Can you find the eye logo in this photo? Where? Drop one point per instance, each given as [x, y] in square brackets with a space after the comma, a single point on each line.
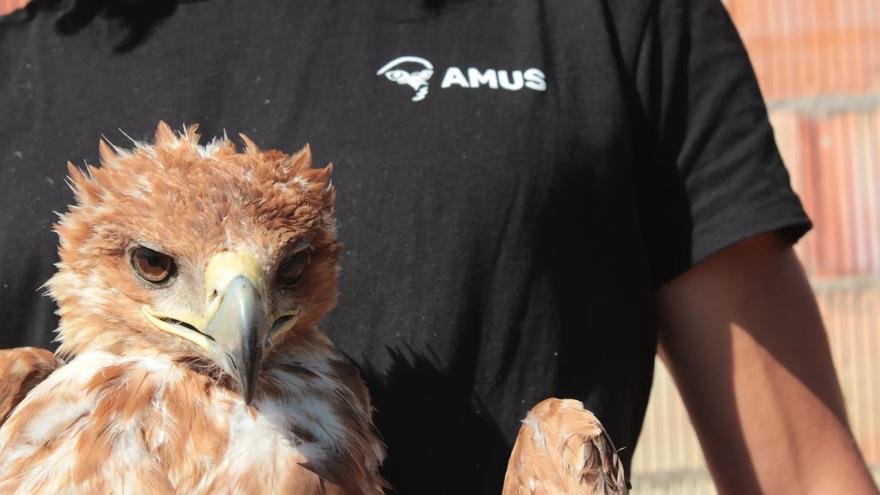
[416, 72]
[410, 71]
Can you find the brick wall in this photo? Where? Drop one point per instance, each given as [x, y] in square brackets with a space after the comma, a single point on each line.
[833, 157]
[803, 48]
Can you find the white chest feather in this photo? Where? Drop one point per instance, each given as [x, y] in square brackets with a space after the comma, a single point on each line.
[108, 424]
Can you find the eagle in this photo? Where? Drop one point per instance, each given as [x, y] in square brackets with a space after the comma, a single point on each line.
[190, 283]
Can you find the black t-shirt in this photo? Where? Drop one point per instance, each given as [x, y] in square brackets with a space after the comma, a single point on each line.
[515, 179]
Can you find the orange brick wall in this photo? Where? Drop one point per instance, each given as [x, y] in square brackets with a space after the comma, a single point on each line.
[810, 47]
[834, 160]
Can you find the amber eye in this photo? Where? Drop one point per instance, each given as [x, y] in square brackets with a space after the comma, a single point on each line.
[152, 266]
[290, 270]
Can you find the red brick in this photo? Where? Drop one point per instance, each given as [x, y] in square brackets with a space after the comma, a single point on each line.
[834, 160]
[808, 47]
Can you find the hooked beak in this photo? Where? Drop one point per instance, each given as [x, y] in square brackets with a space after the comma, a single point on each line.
[234, 329]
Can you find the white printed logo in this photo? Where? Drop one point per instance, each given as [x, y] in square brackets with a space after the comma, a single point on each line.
[415, 72]
[416, 79]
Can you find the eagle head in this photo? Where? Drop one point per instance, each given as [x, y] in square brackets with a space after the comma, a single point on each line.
[203, 253]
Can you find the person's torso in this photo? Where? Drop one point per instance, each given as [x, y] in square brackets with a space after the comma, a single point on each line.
[485, 158]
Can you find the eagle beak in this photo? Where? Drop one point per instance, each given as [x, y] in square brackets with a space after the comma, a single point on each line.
[234, 329]
[238, 327]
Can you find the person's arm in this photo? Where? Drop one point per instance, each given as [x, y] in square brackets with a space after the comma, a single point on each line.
[744, 340]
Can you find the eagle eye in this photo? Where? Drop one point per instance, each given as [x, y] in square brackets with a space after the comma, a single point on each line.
[152, 266]
[290, 270]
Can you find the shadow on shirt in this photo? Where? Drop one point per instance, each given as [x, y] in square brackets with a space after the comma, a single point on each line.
[133, 20]
[438, 440]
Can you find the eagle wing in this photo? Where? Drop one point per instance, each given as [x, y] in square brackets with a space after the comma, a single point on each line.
[21, 370]
[104, 424]
[563, 449]
[60, 439]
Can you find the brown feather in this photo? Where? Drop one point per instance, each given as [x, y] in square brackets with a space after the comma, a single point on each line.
[21, 370]
[105, 152]
[301, 160]
[563, 449]
[164, 134]
[249, 146]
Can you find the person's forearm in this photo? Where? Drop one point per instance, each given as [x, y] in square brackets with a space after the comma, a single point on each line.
[750, 356]
[763, 447]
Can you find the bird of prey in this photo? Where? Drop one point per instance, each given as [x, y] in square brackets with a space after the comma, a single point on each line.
[190, 282]
[562, 449]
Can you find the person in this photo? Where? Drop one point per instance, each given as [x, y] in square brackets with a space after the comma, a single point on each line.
[531, 196]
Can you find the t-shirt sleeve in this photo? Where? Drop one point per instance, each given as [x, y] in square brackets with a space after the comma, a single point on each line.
[710, 174]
